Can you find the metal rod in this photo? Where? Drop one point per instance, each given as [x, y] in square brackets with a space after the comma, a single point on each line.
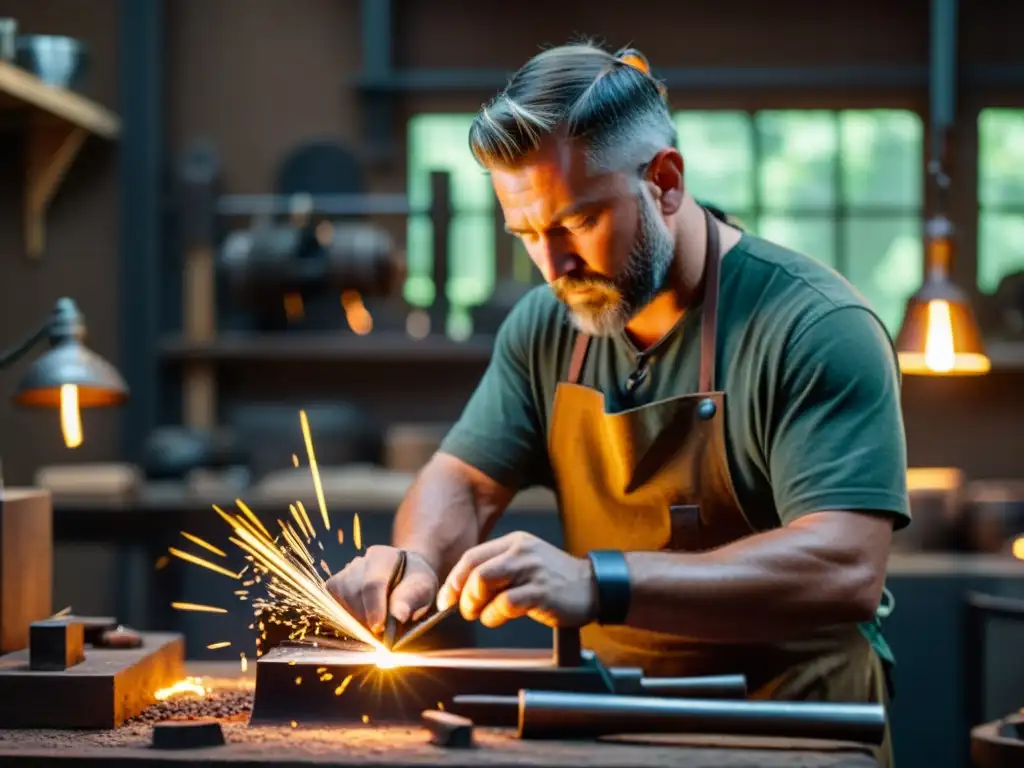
[552, 714]
[18, 351]
[711, 687]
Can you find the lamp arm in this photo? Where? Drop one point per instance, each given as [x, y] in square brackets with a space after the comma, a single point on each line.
[15, 353]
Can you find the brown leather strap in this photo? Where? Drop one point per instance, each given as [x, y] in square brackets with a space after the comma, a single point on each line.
[709, 313]
[579, 355]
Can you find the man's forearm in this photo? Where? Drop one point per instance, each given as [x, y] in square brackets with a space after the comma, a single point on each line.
[763, 588]
[445, 513]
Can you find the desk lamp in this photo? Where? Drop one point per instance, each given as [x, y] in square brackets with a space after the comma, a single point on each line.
[69, 376]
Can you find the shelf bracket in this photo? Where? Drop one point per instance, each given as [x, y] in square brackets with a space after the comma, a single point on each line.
[51, 148]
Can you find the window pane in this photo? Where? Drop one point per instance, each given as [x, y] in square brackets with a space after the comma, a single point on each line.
[1001, 157]
[814, 237]
[717, 150]
[882, 160]
[439, 142]
[798, 159]
[1000, 248]
[883, 259]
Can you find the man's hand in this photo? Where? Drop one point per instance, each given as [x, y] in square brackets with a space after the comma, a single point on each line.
[521, 575]
[361, 585]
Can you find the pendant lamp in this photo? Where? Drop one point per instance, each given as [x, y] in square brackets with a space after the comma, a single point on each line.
[940, 334]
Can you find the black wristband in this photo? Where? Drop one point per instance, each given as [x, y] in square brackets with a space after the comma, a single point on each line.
[611, 578]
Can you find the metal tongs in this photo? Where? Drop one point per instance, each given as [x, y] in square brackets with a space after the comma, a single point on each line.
[391, 639]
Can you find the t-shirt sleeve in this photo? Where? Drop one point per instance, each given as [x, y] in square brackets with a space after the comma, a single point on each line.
[499, 431]
[836, 437]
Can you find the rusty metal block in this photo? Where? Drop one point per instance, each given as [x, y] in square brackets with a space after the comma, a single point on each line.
[55, 645]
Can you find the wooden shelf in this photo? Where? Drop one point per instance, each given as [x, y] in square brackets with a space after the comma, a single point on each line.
[59, 122]
[333, 347]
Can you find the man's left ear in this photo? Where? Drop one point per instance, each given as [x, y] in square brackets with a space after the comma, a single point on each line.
[665, 174]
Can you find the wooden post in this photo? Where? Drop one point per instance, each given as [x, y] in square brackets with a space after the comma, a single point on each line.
[26, 563]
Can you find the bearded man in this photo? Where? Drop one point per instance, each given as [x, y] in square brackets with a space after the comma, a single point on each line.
[718, 416]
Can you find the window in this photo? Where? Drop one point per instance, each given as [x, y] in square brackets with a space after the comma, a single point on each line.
[440, 143]
[1000, 195]
[844, 187]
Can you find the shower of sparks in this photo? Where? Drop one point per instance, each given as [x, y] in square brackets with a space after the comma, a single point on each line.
[161, 562]
[295, 460]
[341, 536]
[357, 533]
[313, 468]
[215, 646]
[204, 563]
[204, 544]
[197, 607]
[295, 593]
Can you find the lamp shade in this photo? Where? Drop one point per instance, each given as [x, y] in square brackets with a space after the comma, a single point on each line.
[70, 362]
[940, 334]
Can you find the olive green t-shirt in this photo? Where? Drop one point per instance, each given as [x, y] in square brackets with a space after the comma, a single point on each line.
[810, 375]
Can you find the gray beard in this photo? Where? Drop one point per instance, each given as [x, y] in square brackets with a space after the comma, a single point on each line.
[641, 280]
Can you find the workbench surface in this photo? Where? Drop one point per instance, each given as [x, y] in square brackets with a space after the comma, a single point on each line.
[394, 746]
[367, 745]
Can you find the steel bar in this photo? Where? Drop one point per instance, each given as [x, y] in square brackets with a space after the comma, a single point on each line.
[563, 715]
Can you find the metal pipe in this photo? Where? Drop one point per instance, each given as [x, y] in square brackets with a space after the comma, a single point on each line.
[557, 715]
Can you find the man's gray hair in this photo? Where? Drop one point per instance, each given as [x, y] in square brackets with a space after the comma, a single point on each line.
[609, 102]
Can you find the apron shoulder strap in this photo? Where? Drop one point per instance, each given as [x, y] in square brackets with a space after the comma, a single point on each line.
[709, 311]
[579, 356]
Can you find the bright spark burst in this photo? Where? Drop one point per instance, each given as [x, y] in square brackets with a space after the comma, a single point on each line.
[313, 468]
[296, 594]
[215, 646]
[357, 532]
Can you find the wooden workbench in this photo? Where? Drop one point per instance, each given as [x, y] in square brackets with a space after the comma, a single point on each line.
[376, 746]
[401, 746]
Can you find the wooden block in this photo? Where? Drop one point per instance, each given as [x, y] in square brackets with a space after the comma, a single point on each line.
[55, 645]
[26, 563]
[106, 689]
[448, 730]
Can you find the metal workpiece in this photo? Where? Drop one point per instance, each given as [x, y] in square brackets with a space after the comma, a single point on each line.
[565, 715]
[335, 685]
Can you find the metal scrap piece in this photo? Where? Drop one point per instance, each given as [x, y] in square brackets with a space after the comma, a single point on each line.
[447, 729]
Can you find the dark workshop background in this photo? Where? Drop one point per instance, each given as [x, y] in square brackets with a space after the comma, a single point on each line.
[757, 84]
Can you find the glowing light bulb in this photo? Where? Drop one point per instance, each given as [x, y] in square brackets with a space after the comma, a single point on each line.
[939, 354]
[70, 417]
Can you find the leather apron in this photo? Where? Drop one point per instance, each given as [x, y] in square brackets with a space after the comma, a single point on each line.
[656, 477]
